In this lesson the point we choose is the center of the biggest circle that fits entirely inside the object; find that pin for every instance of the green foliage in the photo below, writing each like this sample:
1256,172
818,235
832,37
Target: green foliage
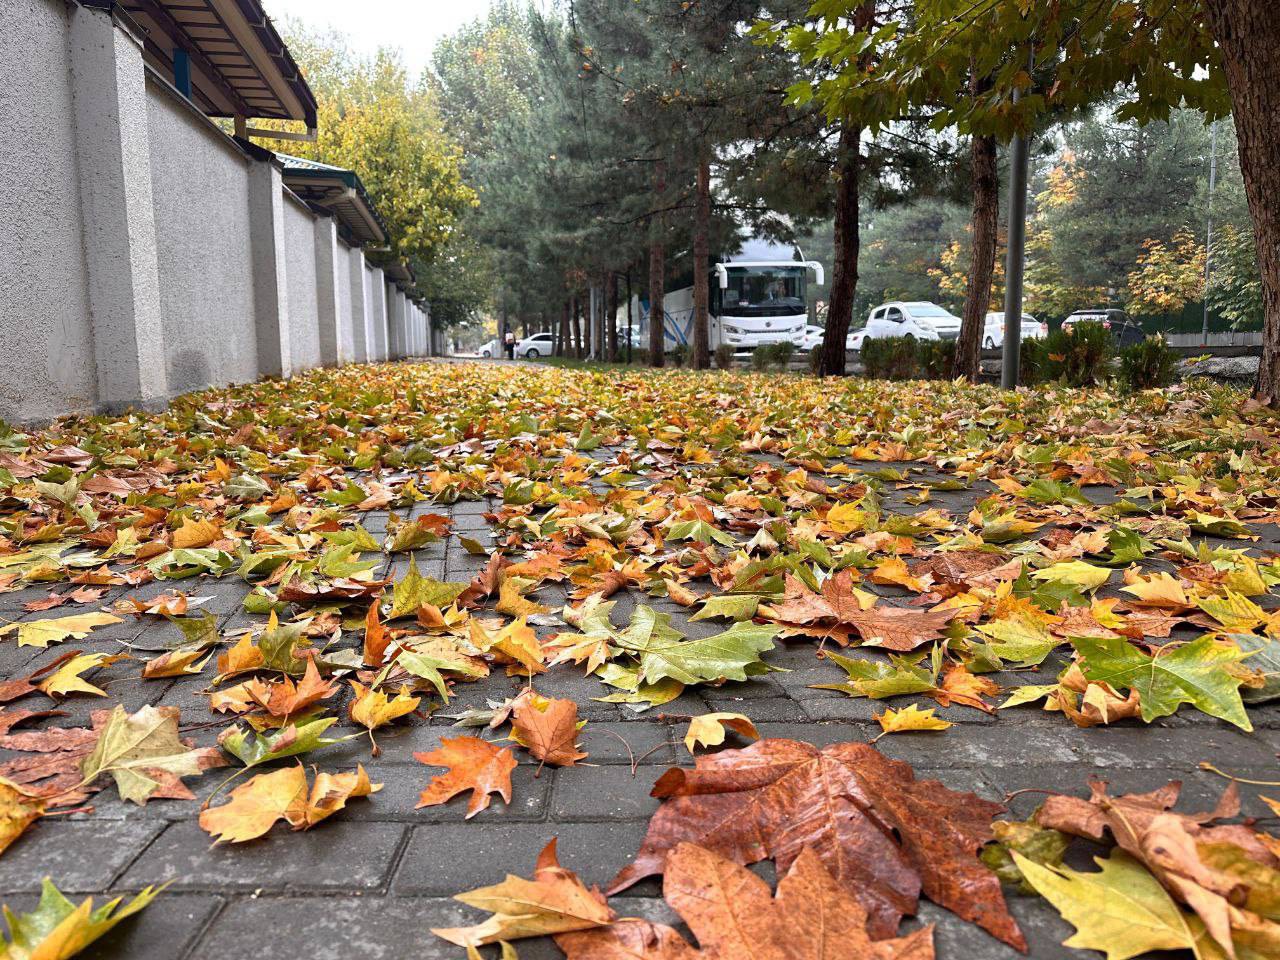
937,358
781,353
1235,289
724,356
890,358
760,358
680,355
1149,364
1076,356
1031,355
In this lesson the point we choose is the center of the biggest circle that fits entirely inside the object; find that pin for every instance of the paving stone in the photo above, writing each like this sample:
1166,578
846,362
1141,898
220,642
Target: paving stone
772,709
604,793
79,856
403,783
610,743
162,931
283,860
1173,748
442,859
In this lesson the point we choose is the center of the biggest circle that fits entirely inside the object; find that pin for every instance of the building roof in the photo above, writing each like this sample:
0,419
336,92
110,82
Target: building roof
400,273
239,65
338,192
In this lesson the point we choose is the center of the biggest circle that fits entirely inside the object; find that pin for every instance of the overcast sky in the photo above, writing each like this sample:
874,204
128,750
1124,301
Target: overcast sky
412,26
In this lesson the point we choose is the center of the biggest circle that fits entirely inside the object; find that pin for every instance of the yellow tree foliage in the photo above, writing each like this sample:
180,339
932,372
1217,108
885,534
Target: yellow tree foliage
1168,276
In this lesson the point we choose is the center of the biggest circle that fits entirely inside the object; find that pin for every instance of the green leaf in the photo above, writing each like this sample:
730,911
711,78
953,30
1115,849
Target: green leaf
732,606
56,929
1075,573
700,532
1021,641
132,746
1264,657
1196,673
252,748
1027,838
877,679
664,652
415,590
1121,911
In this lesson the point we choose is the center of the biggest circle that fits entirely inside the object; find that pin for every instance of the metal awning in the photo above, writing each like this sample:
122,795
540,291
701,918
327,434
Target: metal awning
235,60
336,191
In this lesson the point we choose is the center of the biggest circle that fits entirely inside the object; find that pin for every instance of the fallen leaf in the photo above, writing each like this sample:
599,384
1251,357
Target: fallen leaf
474,764
41,633
139,749
255,806
710,729
548,729
910,718
56,929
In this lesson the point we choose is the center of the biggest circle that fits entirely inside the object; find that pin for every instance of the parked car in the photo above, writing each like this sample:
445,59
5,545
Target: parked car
854,340
916,318
1125,331
993,329
491,349
812,337
539,345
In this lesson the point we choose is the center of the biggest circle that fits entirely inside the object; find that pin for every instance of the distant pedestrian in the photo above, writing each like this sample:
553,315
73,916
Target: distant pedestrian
509,344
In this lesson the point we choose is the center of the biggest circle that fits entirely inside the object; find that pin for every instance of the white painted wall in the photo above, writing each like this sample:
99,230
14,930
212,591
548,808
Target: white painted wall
47,364
300,272
107,168
200,185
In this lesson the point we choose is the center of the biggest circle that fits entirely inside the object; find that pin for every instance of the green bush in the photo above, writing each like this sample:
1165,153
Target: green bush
1030,361
937,358
1077,356
760,357
890,358
780,353
639,356
1151,363
724,356
680,355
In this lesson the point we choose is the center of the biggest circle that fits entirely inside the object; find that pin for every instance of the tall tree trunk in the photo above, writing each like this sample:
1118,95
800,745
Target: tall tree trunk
562,341
611,316
657,265
986,212
701,260
1248,33
844,272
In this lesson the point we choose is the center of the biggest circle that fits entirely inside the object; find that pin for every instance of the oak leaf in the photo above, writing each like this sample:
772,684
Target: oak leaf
554,901
733,915
881,833
474,764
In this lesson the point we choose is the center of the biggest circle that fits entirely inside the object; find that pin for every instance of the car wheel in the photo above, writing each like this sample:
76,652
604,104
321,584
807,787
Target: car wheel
532,354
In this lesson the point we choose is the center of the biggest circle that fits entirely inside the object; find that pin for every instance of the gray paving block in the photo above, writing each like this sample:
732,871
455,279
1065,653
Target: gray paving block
604,793
162,931
283,860
79,856
641,742
771,709
1175,748
986,747
443,859
403,783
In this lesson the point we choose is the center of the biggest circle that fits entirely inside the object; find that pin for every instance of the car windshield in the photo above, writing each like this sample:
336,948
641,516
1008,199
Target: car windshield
927,310
764,292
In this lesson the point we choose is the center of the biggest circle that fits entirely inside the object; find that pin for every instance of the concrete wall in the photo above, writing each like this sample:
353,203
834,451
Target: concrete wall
47,362
300,273
203,246
143,253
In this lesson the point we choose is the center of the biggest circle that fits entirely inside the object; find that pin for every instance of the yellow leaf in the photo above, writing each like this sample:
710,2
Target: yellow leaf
41,633
516,641
195,533
1158,590
910,718
373,709
66,679
846,518
709,730
18,810
254,807
511,599
1077,573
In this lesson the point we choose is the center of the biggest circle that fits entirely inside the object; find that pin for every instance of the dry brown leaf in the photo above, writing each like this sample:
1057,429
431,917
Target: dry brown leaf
548,729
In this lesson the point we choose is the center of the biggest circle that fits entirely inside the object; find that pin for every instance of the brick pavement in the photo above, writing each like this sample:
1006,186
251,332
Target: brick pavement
369,882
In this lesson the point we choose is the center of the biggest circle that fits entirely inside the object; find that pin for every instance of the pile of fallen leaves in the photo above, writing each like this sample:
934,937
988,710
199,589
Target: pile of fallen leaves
1104,544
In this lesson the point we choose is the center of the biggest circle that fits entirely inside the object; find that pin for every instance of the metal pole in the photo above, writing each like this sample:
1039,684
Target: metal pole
1010,358
1208,227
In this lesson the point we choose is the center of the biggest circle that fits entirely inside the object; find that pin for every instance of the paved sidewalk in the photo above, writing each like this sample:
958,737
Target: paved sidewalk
373,879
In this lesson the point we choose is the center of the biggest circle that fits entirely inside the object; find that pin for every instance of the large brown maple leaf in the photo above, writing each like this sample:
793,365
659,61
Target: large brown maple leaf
731,912
882,834
900,629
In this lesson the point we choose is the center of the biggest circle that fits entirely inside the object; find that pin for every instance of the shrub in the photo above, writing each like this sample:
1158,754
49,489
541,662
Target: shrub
1030,361
937,358
781,353
640,356
891,358
1077,356
760,358
680,355
724,356
1151,363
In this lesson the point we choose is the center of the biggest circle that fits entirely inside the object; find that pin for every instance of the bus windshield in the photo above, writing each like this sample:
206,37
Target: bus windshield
764,292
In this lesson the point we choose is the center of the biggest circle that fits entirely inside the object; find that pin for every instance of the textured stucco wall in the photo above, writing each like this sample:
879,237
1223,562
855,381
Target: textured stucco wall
46,346
200,187
346,336
300,270
374,303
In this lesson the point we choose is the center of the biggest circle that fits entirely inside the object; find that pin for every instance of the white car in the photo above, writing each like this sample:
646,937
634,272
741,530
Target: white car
812,337
491,349
539,345
993,329
915,318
